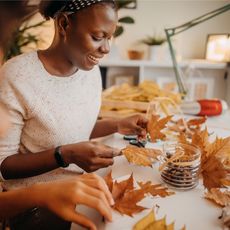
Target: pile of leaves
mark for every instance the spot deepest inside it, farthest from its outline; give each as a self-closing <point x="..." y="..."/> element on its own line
<point x="215" y="158"/>
<point x="150" y="222"/>
<point x="126" y="196"/>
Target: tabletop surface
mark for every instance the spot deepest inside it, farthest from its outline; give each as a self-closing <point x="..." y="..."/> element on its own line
<point x="187" y="208"/>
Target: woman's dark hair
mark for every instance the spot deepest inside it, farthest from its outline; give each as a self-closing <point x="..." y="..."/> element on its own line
<point x="48" y="8"/>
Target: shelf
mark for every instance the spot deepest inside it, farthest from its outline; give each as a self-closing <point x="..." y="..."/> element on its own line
<point x="193" y="63"/>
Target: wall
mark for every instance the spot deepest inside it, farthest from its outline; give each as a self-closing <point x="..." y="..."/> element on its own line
<point x="153" y="16"/>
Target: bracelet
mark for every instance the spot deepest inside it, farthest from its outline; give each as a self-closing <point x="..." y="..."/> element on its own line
<point x="58" y="157"/>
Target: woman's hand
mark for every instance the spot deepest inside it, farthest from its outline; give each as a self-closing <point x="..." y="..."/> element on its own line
<point x="61" y="197"/>
<point x="135" y="124"/>
<point x="89" y="155"/>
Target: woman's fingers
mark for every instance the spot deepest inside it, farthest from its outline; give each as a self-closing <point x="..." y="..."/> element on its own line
<point x="99" y="183"/>
<point x="80" y="219"/>
<point x="89" y="197"/>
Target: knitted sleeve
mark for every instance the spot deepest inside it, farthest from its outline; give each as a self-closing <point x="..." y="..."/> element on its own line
<point x="12" y="98"/>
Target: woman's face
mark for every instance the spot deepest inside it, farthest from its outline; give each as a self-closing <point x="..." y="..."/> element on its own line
<point x="88" y="34"/>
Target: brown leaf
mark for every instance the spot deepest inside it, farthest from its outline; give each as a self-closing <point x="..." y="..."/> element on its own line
<point x="155" y="127"/>
<point x="125" y="196"/>
<point x="109" y="181"/>
<point x="119" y="188"/>
<point x="141" y="156"/>
<point x="127" y="204"/>
<point x="155" y="189"/>
<point x="213" y="173"/>
<point x="196" y="122"/>
<point x="219" y="197"/>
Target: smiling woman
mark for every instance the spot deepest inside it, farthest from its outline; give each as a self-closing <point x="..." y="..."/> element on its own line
<point x="54" y="96"/>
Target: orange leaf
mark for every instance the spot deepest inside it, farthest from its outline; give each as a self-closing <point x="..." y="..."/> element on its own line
<point x="219" y="197"/>
<point x="155" y="189"/>
<point x="119" y="188"/>
<point x="125" y="196"/>
<point x="213" y="172"/>
<point x="140" y="156"/>
<point x="127" y="204"/>
<point x="196" y="122"/>
<point x="155" y="126"/>
<point x="109" y="181"/>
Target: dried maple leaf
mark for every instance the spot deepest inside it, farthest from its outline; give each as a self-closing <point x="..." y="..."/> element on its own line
<point x="220" y="148"/>
<point x="178" y="126"/>
<point x="155" y="127"/>
<point x="141" y="156"/>
<point x="145" y="221"/>
<point x="109" y="181"/>
<point x="196" y="122"/>
<point x="219" y="197"/>
<point x="125" y="195"/>
<point x="155" y="189"/>
<point x="213" y="173"/>
<point x="119" y="188"/>
<point x="149" y="222"/>
<point x="127" y="204"/>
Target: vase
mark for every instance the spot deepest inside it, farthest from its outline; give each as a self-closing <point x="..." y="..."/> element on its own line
<point x="155" y="53"/>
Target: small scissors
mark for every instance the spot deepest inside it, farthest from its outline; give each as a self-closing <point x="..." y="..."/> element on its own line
<point x="134" y="141"/>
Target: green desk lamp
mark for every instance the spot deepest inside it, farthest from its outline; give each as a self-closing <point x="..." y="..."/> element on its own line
<point x="170" y="32"/>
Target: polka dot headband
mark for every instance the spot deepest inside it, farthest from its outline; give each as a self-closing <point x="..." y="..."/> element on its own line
<point x="72" y="6"/>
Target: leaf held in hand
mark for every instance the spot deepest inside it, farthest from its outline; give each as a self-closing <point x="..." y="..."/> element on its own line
<point x="155" y="127"/>
<point x="141" y="156"/>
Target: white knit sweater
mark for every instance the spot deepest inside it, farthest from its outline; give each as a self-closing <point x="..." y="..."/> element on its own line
<point x="46" y="111"/>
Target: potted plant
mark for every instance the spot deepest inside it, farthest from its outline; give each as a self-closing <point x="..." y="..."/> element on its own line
<point x="156" y="50"/>
<point x="23" y="38"/>
<point x="123" y="20"/>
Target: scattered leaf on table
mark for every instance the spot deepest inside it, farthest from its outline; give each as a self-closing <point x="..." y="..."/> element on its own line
<point x="119" y="188"/>
<point x="155" y="189"/>
<point x="156" y="125"/>
<point x="141" y="156"/>
<point x="149" y="222"/>
<point x="196" y="121"/>
<point x="109" y="181"/>
<point x="145" y="221"/>
<point x="125" y="195"/>
<point x="213" y="173"/>
<point x="127" y="204"/>
<point x="221" y="198"/>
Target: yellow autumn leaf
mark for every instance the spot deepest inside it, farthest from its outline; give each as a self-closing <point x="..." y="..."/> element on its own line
<point x="141" y="156"/>
<point x="145" y="221"/>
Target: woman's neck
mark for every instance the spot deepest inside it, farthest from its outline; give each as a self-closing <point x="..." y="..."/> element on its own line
<point x="55" y="62"/>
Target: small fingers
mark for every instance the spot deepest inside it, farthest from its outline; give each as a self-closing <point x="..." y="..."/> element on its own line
<point x="99" y="183"/>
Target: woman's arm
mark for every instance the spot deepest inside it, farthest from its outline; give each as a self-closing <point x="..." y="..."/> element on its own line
<point x="135" y="124"/>
<point x="104" y="127"/>
<point x="88" y="155"/>
<point x="61" y="197"/>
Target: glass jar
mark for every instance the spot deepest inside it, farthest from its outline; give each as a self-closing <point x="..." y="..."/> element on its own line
<point x="180" y="165"/>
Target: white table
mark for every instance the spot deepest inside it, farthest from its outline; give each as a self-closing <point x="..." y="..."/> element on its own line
<point x="185" y="207"/>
